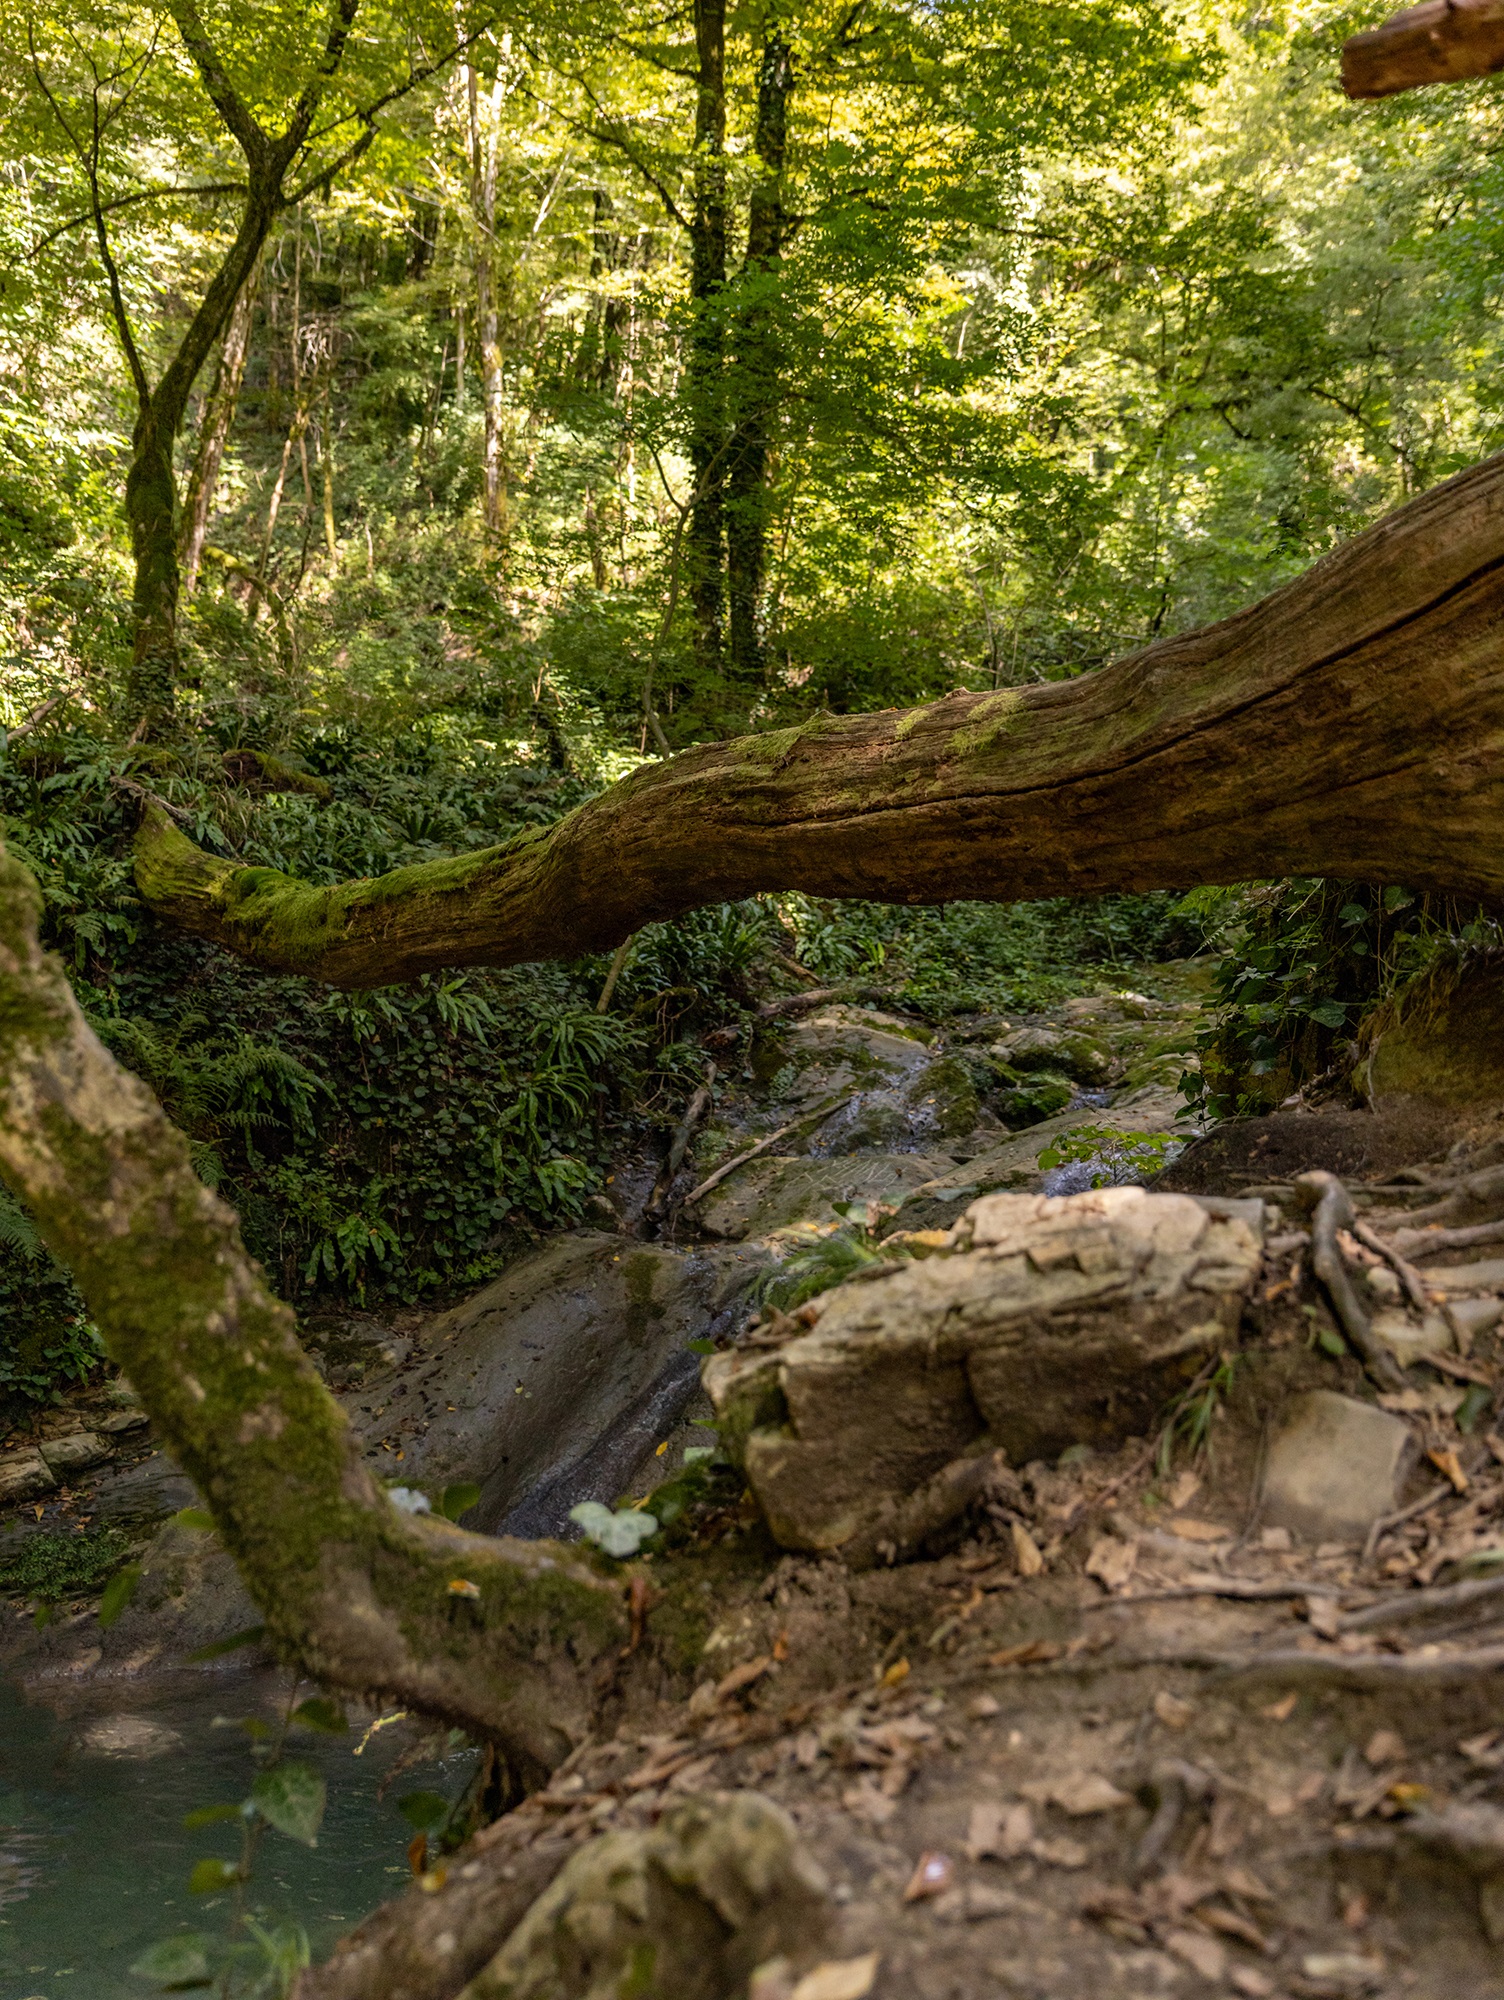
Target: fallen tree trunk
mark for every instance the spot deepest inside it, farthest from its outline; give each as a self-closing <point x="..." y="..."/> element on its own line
<point x="1352" y="724"/>
<point x="503" y="1638"/>
<point x="1442" y="41"/>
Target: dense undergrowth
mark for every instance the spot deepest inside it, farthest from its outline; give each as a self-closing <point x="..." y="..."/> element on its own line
<point x="403" y="1143"/>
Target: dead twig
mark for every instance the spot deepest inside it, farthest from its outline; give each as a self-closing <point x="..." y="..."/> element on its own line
<point x="696" y="1109"/>
<point x="1330" y="1669"/>
<point x="794" y="1125"/>
<point x="1331" y="1210"/>
<point x="1385" y="1522"/>
<point x="1251" y="1588"/>
<point x="1404" y="1606"/>
<point x="32" y="722"/>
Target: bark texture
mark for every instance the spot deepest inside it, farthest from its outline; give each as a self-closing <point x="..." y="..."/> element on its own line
<point x="1352" y="724"/>
<point x="1442" y="41"/>
<point x="501" y="1637"/>
<point x="214" y="432"/>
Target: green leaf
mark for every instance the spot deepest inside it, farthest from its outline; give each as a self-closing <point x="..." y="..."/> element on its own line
<point x="458" y="1499"/>
<point x="619" y="1534"/>
<point x="292" y="1798"/>
<point x="696" y="1454"/>
<point x="702" y="1347"/>
<point x="1330" y="1013"/>
<point x="194" y="1517"/>
<point x="118" y="1593"/>
<point x="256" y="1727"/>
<point x="211" y="1816"/>
<point x="318" y="1712"/>
<point x="1331" y="1343"/>
<point x="211" y="1875"/>
<point x="1396" y="898"/>
<point x="1477" y="1400"/>
<point x="1048" y="1158"/>
<point x="425" y="1811"/>
<point x="215" y="1650"/>
<point x="1353" y="913"/>
<point x="176" y="1963"/>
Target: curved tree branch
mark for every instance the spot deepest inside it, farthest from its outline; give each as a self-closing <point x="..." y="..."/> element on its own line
<point x="1352" y="724"/>
<point x="499" y="1636"/>
<point x="1441" y="41"/>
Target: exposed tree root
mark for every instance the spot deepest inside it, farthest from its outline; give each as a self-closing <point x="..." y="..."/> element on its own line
<point x="1333" y="1210"/>
<point x="1352" y="724"/>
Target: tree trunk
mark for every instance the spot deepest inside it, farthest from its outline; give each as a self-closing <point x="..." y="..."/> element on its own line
<point x="1352" y="724"/>
<point x="484" y="134"/>
<point x="1441" y="41"/>
<point x="753" y="379"/>
<point x="704" y="383"/>
<point x="500" y="1637"/>
<point x="214" y="432"/>
<point x="150" y="508"/>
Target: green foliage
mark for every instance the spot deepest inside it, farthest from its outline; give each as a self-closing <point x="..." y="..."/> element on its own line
<point x="1117" y="1158"/>
<point x="50" y="1565"/>
<point x="1301" y="962"/>
<point x="824" y="1257"/>
<point x="620" y="1532"/>
<point x="1192" y="1415"/>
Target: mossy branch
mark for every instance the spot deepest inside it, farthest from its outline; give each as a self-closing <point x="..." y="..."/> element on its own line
<point x="355" y="1593"/>
<point x="1350" y="725"/>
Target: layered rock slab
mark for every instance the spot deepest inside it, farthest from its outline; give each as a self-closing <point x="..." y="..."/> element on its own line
<point x="1042" y="1322"/>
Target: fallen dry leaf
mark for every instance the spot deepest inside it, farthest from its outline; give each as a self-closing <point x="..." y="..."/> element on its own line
<point x="1281" y="1710"/>
<point x="1385" y="1747"/>
<point x="1232" y="1925"/>
<point x="1111" y="1561"/>
<point x="1061" y="1853"/>
<point x="1446" y="1464"/>
<point x="1198" y="1531"/>
<point x="1185" y="1489"/>
<point x="839" y="1979"/>
<point x="1240" y="1881"/>
<point x="899" y="1671"/>
<point x="1026" y="1550"/>
<point x="743" y="1677"/>
<point x="1003" y="1832"/>
<point x="863" y="1800"/>
<point x="982" y="1706"/>
<point x="1255" y="1985"/>
<point x="1172" y="1711"/>
<point x="1201" y="1953"/>
<point x="1078" y="1792"/>
<point x="1031" y="1653"/>
<point x="933" y="1874"/>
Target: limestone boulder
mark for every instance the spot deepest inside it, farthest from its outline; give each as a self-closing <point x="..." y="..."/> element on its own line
<point x="780" y="1190"/>
<point x="1043" y="1323"/>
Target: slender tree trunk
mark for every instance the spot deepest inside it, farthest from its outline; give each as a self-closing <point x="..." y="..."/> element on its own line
<point x="754" y="374"/>
<point x="219" y="415"/>
<point x="705" y="388"/>
<point x="1352" y="724"/>
<point x="485" y="144"/>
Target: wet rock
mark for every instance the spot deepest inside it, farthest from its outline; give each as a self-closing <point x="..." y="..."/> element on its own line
<point x="528" y="1376"/>
<point x="130" y="1738"/>
<point x="776" y="1192"/>
<point x="1050" y="1323"/>
<point x="119" y="1422"/>
<point x="1075" y="1055"/>
<point x="1334" y="1467"/>
<point x="686" y="1911"/>
<point x="74" y="1453"/>
<point x="23" y="1475"/>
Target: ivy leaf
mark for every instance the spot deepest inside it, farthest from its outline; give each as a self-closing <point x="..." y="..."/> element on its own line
<point x="619" y="1534"/>
<point x="251" y="1636"/>
<point x="211" y="1875"/>
<point x="177" y="1963"/>
<point x="424" y="1811"/>
<point x="318" y="1712"/>
<point x="1330" y="1013"/>
<point x="211" y="1816"/>
<point x="194" y="1517"/>
<point x="458" y="1499"/>
<point x="292" y="1798"/>
<point x="118" y="1593"/>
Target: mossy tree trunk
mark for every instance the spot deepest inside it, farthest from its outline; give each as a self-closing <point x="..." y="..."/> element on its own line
<point x="507" y="1639"/>
<point x="1352" y="725"/>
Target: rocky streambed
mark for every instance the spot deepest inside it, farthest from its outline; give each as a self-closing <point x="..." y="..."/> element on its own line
<point x="1095" y="1615"/>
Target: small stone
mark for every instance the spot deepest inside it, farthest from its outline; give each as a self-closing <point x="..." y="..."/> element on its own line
<point x="1276" y="1540"/>
<point x="1112" y="1561"/>
<point x="1334" y="1467"/>
<point x="983" y="1706"/>
<point x="75" y="1453"/>
<point x="120" y="1421"/>
<point x="23" y="1475"/>
<point x="1344" y="1969"/>
<point x="1172" y="1711"/>
<point x="132" y="1737"/>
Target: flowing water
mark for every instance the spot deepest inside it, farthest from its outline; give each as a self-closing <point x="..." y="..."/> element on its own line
<point x="94" y="1858"/>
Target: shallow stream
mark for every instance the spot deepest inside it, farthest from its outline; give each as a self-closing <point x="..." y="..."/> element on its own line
<point x="94" y="1858"/>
